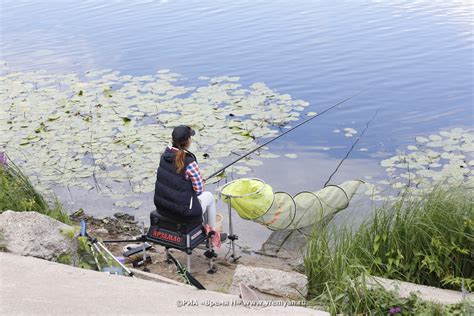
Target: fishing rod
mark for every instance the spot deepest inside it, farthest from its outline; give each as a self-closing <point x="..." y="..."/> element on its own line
<point x="351" y="149"/>
<point x="275" y="138"/>
<point x="330" y="177"/>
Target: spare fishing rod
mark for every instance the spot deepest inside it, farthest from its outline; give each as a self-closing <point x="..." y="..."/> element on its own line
<point x="351" y="149"/>
<point x="187" y="277"/>
<point x="282" y="134"/>
<point x="97" y="245"/>
<point x="332" y="174"/>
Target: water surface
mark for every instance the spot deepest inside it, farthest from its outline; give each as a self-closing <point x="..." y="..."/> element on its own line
<point x="414" y="57"/>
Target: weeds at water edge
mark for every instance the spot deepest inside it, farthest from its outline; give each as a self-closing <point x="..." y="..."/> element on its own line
<point x="17" y="193"/>
<point x="426" y="241"/>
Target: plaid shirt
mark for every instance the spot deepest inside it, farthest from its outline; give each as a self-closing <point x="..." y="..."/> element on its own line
<point x="194" y="174"/>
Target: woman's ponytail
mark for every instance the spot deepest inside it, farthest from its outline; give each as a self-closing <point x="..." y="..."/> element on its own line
<point x="179" y="160"/>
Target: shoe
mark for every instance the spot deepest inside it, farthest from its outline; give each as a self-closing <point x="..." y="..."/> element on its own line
<point x="223" y="237"/>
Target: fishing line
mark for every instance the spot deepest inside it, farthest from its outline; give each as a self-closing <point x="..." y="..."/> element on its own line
<point x="291" y="129"/>
<point x="281" y="245"/>
<point x="352" y="148"/>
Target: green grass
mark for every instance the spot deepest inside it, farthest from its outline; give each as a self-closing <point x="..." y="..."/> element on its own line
<point x="3" y="244"/>
<point x="65" y="258"/>
<point x="426" y="241"/>
<point x="17" y="193"/>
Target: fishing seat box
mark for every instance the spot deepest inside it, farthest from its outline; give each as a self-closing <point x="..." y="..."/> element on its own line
<point x="179" y="232"/>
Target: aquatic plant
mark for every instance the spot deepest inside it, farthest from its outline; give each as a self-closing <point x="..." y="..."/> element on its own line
<point x="428" y="241"/>
<point x="18" y="194"/>
<point x="105" y="131"/>
<point x="439" y="158"/>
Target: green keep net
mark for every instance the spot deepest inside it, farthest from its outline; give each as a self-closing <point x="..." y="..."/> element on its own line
<point x="251" y="198"/>
<point x="255" y="200"/>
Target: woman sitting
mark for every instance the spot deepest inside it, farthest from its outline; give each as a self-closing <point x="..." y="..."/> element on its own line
<point x="179" y="188"/>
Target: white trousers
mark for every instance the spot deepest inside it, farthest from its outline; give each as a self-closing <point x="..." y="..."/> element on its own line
<point x="208" y="205"/>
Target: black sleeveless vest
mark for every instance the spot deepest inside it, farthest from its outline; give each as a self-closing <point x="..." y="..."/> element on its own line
<point x="174" y="194"/>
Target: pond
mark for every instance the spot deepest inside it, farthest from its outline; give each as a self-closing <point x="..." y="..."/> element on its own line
<point x="413" y="60"/>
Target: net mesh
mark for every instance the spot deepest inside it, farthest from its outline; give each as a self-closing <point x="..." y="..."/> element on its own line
<point x="255" y="200"/>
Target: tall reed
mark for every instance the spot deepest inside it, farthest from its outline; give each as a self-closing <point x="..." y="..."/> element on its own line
<point x="17" y="193"/>
<point x="427" y="240"/>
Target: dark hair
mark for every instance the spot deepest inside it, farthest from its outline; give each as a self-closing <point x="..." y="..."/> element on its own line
<point x="179" y="159"/>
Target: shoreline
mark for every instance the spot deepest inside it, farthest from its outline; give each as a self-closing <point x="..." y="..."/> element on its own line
<point x="123" y="226"/>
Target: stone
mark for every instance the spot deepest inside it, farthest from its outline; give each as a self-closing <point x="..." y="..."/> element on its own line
<point x="270" y="282"/>
<point x="79" y="213"/>
<point x="124" y="216"/>
<point x="36" y="235"/>
<point x="101" y="231"/>
<point x="425" y="293"/>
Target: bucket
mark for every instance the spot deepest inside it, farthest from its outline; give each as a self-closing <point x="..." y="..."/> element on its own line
<point x="219" y="219"/>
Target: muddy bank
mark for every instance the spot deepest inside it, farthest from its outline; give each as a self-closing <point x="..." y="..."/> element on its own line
<point x="124" y="226"/>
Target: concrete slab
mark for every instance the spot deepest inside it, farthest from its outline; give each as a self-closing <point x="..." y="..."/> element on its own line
<point x="426" y="293"/>
<point x="34" y="286"/>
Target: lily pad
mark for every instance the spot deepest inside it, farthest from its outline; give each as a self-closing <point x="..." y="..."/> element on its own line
<point x="93" y="133"/>
<point x="444" y="161"/>
<point x="135" y="204"/>
<point x="421" y="139"/>
<point x="350" y="130"/>
<point x="120" y="203"/>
